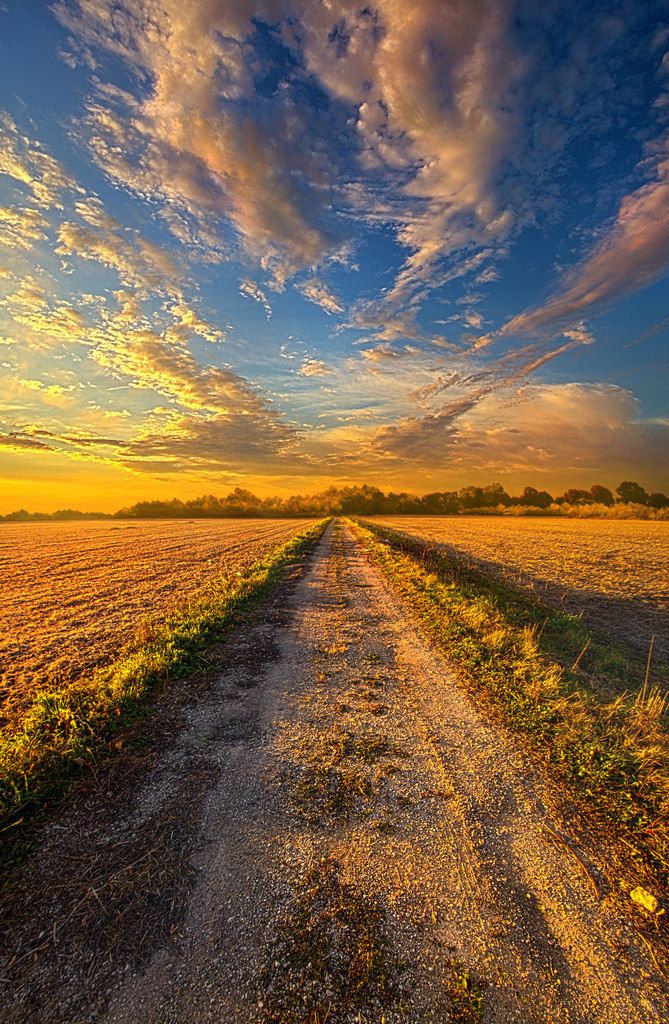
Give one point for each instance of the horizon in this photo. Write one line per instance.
(418, 494)
(287, 246)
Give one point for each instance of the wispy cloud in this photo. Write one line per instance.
(630, 255)
(318, 292)
(42, 177)
(551, 429)
(139, 263)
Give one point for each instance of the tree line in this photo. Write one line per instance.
(367, 500)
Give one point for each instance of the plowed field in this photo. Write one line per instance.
(75, 594)
(614, 573)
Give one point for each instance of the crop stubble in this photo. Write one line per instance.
(76, 594)
(614, 573)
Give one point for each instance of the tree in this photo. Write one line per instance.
(532, 498)
(632, 493)
(577, 496)
(441, 503)
(602, 495)
(658, 500)
(471, 497)
(493, 495)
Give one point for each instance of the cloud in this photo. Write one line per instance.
(314, 368)
(187, 322)
(138, 262)
(321, 295)
(21, 227)
(191, 144)
(440, 107)
(20, 443)
(230, 441)
(46, 318)
(632, 254)
(253, 291)
(283, 125)
(385, 353)
(549, 428)
(40, 174)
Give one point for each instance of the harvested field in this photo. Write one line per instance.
(614, 573)
(76, 594)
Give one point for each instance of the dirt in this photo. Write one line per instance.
(333, 742)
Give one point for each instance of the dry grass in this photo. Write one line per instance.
(332, 962)
(75, 595)
(613, 573)
(332, 769)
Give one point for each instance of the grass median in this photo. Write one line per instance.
(67, 730)
(615, 754)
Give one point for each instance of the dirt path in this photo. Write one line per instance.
(349, 777)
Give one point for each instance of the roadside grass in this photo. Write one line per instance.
(331, 960)
(512, 650)
(465, 996)
(65, 732)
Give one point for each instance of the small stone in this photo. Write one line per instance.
(645, 899)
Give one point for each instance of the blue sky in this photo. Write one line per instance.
(281, 244)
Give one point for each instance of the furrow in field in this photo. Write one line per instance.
(76, 594)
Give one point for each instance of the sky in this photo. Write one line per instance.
(283, 244)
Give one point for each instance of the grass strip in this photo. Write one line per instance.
(331, 961)
(66, 730)
(332, 769)
(614, 754)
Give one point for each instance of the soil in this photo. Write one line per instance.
(76, 594)
(612, 573)
(330, 740)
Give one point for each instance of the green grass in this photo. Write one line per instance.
(66, 731)
(614, 754)
(465, 996)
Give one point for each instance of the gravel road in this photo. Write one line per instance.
(336, 735)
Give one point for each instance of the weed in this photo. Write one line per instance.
(330, 776)
(331, 958)
(326, 789)
(369, 747)
(465, 996)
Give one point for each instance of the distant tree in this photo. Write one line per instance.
(577, 496)
(533, 498)
(658, 500)
(630, 492)
(493, 495)
(471, 497)
(602, 495)
(442, 503)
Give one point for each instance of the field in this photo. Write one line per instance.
(616, 574)
(76, 594)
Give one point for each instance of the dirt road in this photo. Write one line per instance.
(337, 782)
